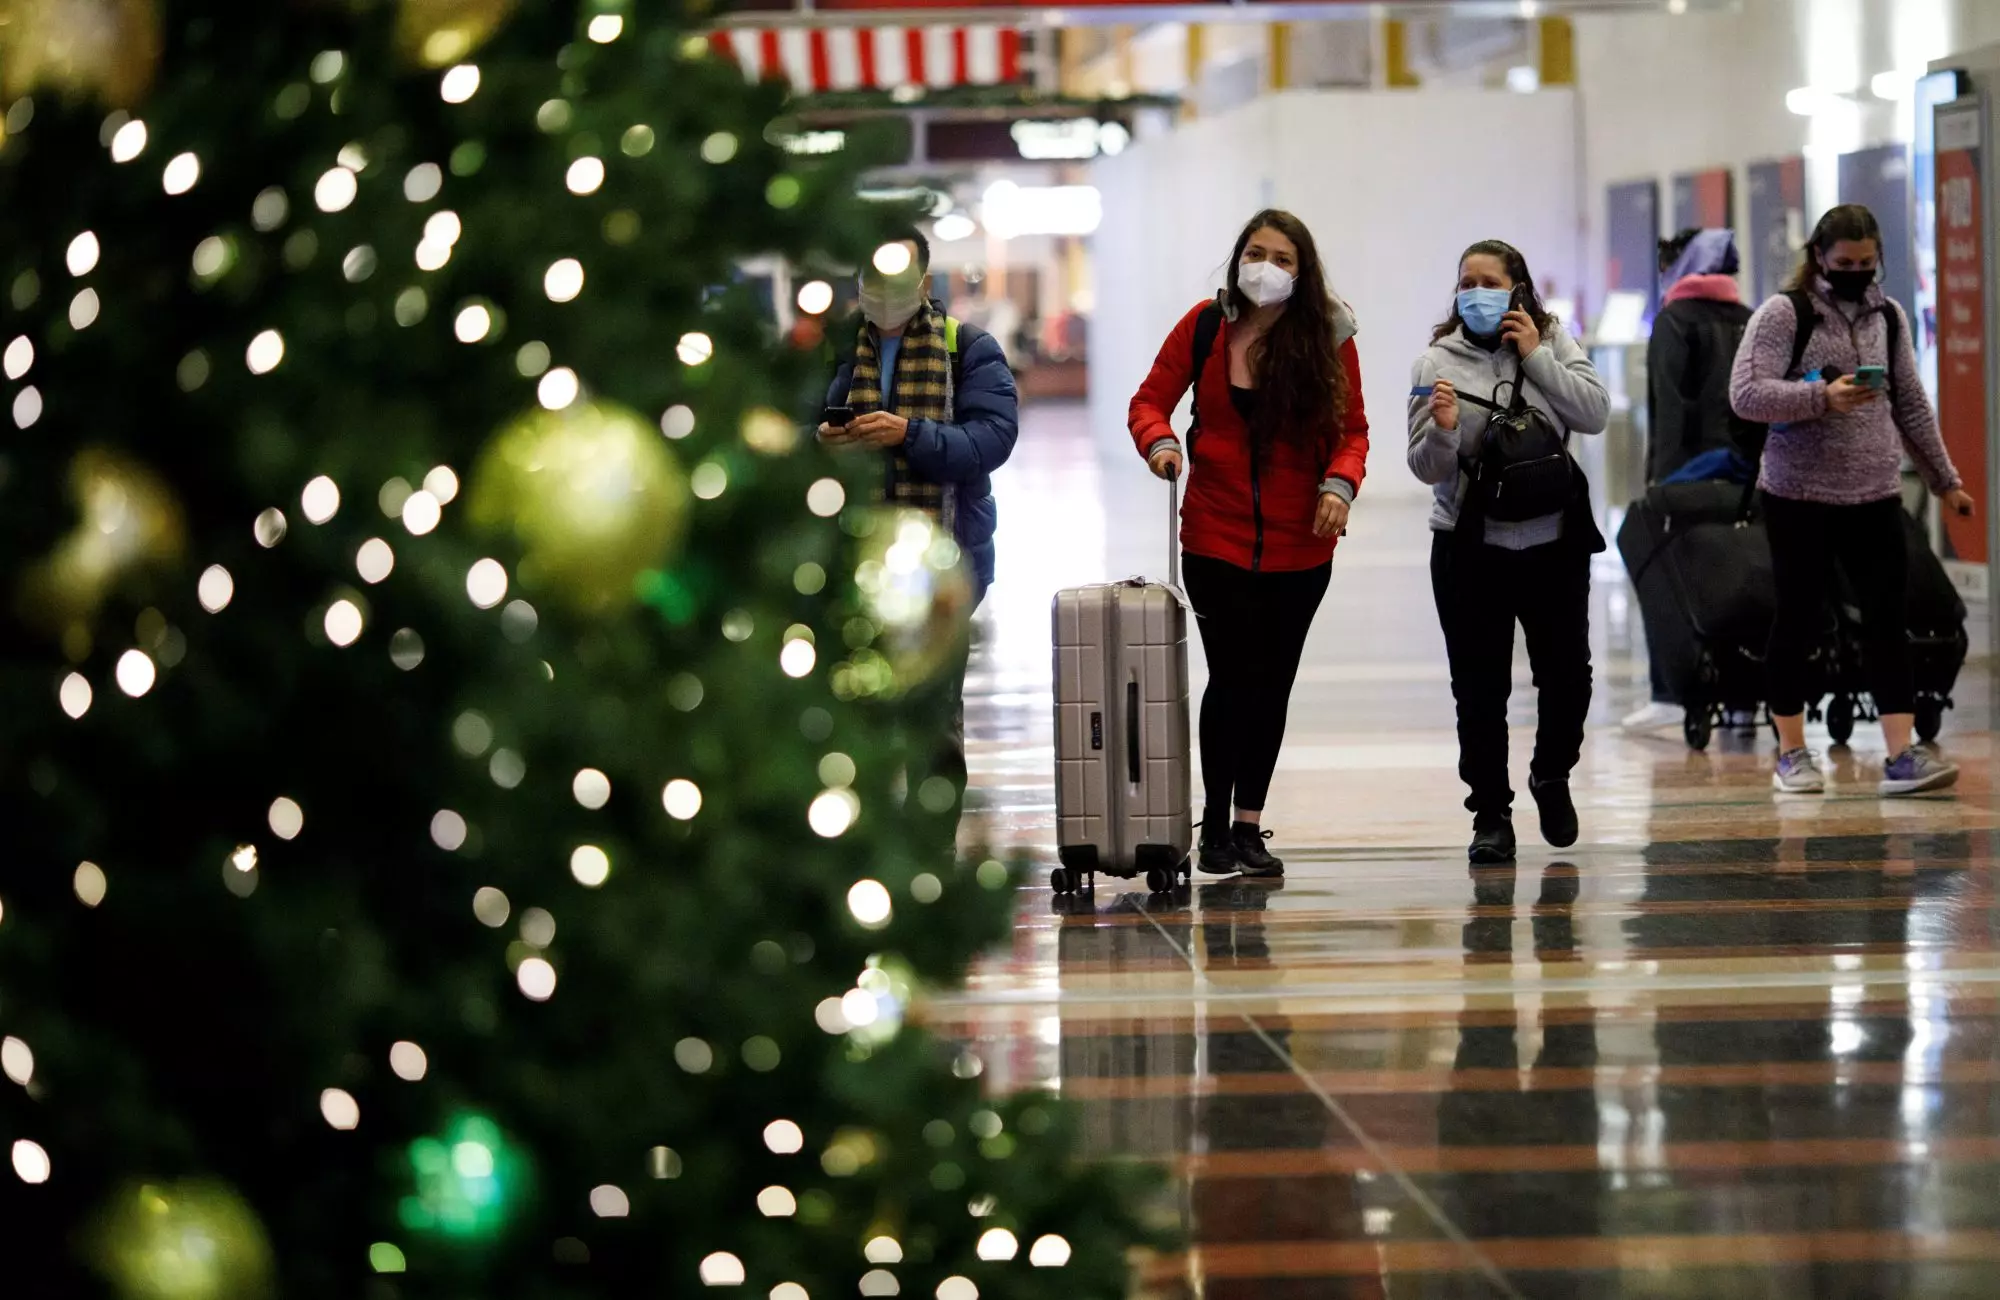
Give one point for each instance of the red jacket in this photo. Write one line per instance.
(1252, 507)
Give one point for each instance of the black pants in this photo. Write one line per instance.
(1807, 540)
(1481, 592)
(1253, 629)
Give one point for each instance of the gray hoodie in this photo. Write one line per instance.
(1560, 381)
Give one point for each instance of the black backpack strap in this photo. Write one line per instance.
(1805, 320)
(1206, 327)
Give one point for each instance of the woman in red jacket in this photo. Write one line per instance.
(1278, 445)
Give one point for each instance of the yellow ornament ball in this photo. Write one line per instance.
(193, 1240)
(128, 520)
(593, 495)
(439, 33)
(918, 599)
(105, 50)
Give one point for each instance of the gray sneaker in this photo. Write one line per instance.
(1915, 771)
(1798, 773)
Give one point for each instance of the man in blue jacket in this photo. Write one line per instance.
(935, 401)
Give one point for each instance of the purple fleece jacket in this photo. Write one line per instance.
(1815, 454)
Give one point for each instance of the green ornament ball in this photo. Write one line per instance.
(916, 597)
(191, 1240)
(593, 495)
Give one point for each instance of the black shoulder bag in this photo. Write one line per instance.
(1523, 470)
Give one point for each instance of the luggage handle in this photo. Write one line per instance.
(1173, 527)
(1132, 765)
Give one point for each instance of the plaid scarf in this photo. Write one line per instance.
(922, 392)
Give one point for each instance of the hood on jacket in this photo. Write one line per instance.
(1458, 345)
(1712, 252)
(1345, 326)
(1707, 288)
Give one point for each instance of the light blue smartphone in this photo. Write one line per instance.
(1872, 376)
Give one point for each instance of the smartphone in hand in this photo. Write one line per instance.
(1875, 377)
(837, 417)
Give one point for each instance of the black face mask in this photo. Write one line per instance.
(1850, 286)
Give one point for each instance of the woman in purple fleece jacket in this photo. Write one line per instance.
(1832, 485)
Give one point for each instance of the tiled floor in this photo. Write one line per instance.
(1725, 1047)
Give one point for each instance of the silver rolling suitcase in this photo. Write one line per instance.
(1124, 803)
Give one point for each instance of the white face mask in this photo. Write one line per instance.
(1264, 283)
(892, 304)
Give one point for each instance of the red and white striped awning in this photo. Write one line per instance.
(875, 58)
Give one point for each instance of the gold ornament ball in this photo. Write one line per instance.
(592, 494)
(439, 33)
(128, 520)
(96, 49)
(192, 1240)
(916, 592)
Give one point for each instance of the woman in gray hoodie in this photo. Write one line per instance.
(1534, 571)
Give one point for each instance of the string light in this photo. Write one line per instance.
(338, 1107)
(682, 799)
(89, 883)
(537, 979)
(215, 589)
(472, 323)
(883, 1250)
(590, 865)
(825, 497)
(784, 1138)
(585, 176)
(997, 1245)
(335, 189)
(558, 388)
(563, 281)
(459, 84)
(286, 818)
(442, 483)
(695, 348)
(777, 1203)
(31, 1163)
(1049, 1251)
(265, 352)
(81, 257)
(408, 1062)
(18, 358)
(677, 422)
(592, 788)
(135, 673)
(129, 141)
(374, 561)
(83, 310)
(17, 1061)
(27, 407)
(610, 1202)
(343, 622)
(75, 695)
(181, 173)
(605, 28)
(422, 513)
(321, 499)
(448, 830)
(721, 1269)
(486, 583)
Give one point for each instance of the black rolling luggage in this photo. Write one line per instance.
(1938, 643)
(1701, 563)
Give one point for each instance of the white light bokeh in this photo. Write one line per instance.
(432, 256)
(722, 1269)
(17, 1061)
(31, 1164)
(997, 1245)
(868, 900)
(129, 142)
(442, 482)
(558, 388)
(136, 673)
(472, 324)
(423, 182)
(1050, 1251)
(286, 818)
(563, 281)
(606, 28)
(610, 1202)
(815, 297)
(585, 175)
(89, 883)
(892, 259)
(677, 422)
(335, 189)
(338, 1107)
(448, 830)
(265, 352)
(408, 1062)
(321, 499)
(797, 658)
(459, 84)
(590, 865)
(826, 497)
(682, 799)
(421, 513)
(181, 173)
(695, 349)
(957, 1288)
(537, 979)
(486, 583)
(783, 1137)
(215, 589)
(777, 1203)
(81, 257)
(75, 695)
(591, 788)
(83, 310)
(19, 357)
(343, 622)
(883, 1250)
(269, 527)
(375, 560)
(27, 407)
(443, 228)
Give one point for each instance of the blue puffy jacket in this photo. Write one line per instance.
(964, 453)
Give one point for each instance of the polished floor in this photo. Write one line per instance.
(1725, 1047)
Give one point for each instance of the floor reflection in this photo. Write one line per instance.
(1726, 1047)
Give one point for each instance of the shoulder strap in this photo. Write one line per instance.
(1805, 321)
(951, 350)
(1206, 327)
(1894, 320)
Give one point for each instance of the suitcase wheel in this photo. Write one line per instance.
(1840, 719)
(1930, 718)
(1160, 880)
(1063, 880)
(1696, 726)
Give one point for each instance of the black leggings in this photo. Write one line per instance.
(1482, 591)
(1253, 628)
(1807, 540)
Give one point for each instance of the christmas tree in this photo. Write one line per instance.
(454, 728)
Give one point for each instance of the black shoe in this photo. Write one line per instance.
(1492, 839)
(1216, 854)
(1559, 826)
(1248, 840)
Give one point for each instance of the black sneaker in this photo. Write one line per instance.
(1216, 854)
(1248, 840)
(1559, 826)
(1492, 839)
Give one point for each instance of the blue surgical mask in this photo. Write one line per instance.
(1481, 309)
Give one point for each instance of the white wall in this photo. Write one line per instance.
(1663, 94)
(1393, 186)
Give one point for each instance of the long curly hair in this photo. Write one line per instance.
(1301, 385)
(1517, 271)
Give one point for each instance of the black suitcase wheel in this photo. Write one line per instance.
(1062, 880)
(1160, 879)
(1697, 727)
(1840, 719)
(1930, 719)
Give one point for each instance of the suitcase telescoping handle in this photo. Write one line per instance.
(1173, 527)
(1134, 770)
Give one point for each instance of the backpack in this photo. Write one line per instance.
(1806, 322)
(1523, 470)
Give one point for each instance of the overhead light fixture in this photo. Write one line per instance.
(952, 227)
(1524, 79)
(1011, 210)
(1805, 101)
(1893, 86)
